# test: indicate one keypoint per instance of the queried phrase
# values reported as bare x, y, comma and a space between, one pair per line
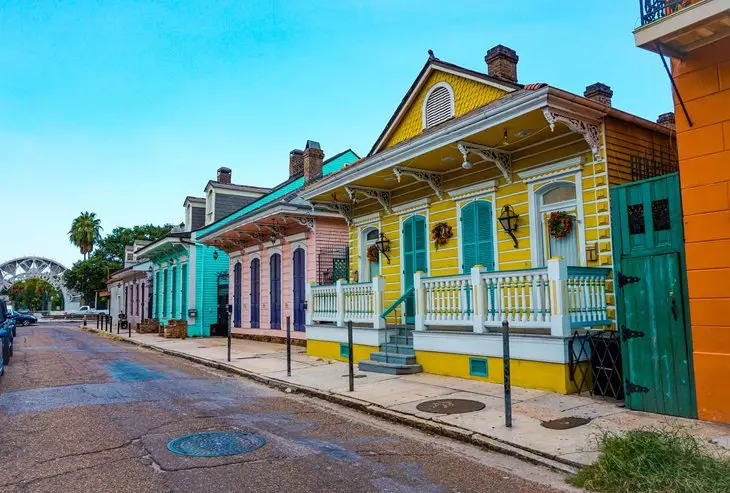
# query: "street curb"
454, 432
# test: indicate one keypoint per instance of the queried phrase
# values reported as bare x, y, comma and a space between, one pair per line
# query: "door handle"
674, 309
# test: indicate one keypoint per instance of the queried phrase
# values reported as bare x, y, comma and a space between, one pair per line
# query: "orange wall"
703, 79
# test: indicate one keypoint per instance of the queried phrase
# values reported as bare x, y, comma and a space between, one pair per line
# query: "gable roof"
281, 192
431, 65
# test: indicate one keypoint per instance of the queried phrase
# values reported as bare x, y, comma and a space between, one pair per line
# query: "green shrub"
655, 461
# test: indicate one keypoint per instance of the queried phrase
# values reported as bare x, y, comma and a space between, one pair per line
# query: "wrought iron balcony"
653, 10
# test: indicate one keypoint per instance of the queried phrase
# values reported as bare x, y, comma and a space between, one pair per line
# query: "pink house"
279, 243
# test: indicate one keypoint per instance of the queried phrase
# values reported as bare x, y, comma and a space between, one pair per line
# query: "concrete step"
404, 340
396, 348
399, 359
388, 368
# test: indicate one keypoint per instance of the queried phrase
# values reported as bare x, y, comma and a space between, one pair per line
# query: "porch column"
378, 302
339, 289
479, 316
310, 303
420, 295
559, 310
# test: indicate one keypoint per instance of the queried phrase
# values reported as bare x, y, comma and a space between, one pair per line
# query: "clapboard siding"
624, 139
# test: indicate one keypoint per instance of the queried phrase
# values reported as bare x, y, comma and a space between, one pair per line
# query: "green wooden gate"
651, 296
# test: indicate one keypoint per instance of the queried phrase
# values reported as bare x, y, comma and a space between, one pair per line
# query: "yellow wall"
468, 94
553, 377
331, 350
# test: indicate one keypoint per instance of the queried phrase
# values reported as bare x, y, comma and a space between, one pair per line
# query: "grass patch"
655, 461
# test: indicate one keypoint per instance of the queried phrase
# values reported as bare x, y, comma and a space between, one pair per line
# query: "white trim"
452, 102
363, 263
253, 249
535, 212
413, 206
274, 249
252, 256
545, 170
369, 218
192, 285
458, 129
475, 190
522, 347
296, 237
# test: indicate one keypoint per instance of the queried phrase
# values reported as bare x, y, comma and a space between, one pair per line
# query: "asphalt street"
79, 412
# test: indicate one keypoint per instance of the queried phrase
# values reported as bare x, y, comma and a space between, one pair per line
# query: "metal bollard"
288, 346
84, 320
119, 323
507, 385
129, 326
350, 357
97, 322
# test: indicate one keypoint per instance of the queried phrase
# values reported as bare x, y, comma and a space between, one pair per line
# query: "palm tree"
85, 232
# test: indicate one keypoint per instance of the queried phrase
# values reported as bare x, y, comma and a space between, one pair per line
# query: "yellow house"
482, 200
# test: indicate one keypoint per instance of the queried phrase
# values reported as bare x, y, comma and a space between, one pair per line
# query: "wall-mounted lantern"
508, 219
383, 245
215, 254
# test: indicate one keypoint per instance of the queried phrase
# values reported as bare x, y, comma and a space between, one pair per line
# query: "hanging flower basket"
559, 224
373, 253
441, 234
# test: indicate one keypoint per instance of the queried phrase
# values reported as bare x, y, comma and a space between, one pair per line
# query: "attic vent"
439, 105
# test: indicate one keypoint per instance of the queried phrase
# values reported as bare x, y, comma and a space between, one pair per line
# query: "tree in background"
88, 275
34, 294
85, 232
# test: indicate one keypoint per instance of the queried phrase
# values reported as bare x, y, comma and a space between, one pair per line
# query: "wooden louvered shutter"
408, 253
484, 227
420, 244
439, 107
468, 237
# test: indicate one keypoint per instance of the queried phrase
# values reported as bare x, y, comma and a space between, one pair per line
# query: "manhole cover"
216, 444
565, 423
450, 406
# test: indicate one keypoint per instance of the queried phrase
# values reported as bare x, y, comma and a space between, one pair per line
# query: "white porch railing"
343, 302
556, 297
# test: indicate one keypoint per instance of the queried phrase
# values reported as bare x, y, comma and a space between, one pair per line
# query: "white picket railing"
448, 300
556, 297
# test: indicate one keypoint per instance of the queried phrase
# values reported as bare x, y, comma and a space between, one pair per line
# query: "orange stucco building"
696, 35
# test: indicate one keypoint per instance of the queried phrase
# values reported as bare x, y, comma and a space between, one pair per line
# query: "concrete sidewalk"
397, 398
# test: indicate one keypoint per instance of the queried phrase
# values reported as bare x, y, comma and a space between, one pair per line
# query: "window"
561, 193
369, 269
438, 105
558, 197
209, 207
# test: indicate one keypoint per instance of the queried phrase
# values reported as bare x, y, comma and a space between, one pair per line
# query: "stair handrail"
397, 302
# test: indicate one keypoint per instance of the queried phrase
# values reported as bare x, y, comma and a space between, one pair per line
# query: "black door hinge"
624, 280
627, 333
632, 388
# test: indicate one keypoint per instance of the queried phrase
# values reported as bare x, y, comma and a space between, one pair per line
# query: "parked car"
24, 319
87, 310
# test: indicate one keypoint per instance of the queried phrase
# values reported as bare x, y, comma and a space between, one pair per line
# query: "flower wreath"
373, 253
441, 234
559, 224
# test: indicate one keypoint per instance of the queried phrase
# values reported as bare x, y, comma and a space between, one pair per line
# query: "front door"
275, 291
415, 249
298, 295
221, 327
651, 296
237, 295
255, 293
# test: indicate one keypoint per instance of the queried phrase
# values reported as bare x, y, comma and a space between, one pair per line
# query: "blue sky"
126, 107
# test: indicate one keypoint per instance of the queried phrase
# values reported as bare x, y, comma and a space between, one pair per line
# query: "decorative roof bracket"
254, 236
306, 221
502, 159
435, 180
345, 209
382, 196
587, 130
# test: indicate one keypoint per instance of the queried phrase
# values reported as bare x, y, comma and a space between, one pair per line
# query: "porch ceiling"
526, 134
261, 231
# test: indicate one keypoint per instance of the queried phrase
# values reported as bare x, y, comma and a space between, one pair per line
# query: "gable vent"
439, 105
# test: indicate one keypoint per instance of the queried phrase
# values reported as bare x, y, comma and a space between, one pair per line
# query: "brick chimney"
313, 158
296, 162
224, 176
667, 120
502, 63
600, 93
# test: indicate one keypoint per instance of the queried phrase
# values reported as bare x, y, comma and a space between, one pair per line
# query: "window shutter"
468, 237
484, 235
420, 242
439, 107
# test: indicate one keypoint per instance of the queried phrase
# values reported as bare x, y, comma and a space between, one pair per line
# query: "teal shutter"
468, 237
420, 243
485, 245
407, 236
184, 304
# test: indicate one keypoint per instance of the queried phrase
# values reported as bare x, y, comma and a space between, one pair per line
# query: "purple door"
299, 280
255, 293
275, 291
237, 295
